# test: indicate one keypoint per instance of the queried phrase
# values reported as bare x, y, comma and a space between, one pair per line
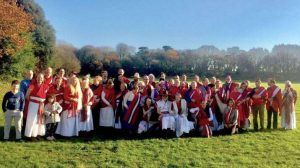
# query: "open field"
278, 148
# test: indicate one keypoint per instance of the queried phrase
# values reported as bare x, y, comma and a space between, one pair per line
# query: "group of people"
47, 105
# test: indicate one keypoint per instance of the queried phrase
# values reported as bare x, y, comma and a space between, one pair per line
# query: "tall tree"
43, 36
14, 26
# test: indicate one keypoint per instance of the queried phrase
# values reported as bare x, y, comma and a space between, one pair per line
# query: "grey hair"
288, 83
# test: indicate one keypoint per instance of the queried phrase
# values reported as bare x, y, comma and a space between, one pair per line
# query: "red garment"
183, 91
58, 92
276, 102
172, 92
185, 85
69, 104
109, 96
131, 115
87, 100
264, 95
196, 95
48, 81
147, 91
38, 91
126, 80
226, 90
204, 123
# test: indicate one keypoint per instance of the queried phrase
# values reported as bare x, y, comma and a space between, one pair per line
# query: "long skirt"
68, 126
88, 124
107, 117
284, 121
33, 128
182, 125
168, 122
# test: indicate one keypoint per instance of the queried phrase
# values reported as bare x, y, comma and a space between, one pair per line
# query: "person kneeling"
205, 120
230, 116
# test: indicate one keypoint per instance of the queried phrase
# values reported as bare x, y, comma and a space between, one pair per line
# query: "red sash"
132, 112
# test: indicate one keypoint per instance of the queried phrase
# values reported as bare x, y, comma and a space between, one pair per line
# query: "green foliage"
43, 36
15, 66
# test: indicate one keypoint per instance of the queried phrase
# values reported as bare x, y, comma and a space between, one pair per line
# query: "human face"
48, 72
61, 72
203, 104
15, 88
58, 81
177, 97
148, 102
122, 87
183, 77
121, 72
196, 78
29, 75
257, 84
205, 82
40, 79
228, 78
194, 85
230, 103
146, 80
50, 100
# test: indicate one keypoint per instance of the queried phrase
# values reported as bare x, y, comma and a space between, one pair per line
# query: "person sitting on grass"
52, 118
12, 106
230, 115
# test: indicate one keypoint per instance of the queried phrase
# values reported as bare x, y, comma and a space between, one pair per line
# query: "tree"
64, 57
14, 26
43, 36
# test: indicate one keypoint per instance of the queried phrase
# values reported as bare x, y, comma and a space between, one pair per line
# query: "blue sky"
181, 24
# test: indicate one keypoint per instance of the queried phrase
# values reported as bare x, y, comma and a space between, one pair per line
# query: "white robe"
68, 126
33, 128
182, 125
88, 124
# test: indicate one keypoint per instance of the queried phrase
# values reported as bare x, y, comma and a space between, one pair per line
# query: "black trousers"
51, 128
275, 118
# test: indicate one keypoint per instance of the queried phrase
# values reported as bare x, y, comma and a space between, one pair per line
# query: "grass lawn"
278, 148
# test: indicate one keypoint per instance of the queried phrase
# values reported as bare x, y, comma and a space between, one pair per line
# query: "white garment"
88, 124
183, 125
144, 126
107, 118
68, 126
52, 117
33, 128
292, 124
168, 122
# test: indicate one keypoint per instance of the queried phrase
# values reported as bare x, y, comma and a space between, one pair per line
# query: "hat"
136, 75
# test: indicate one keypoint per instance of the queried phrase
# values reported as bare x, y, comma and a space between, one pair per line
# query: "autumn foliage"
14, 23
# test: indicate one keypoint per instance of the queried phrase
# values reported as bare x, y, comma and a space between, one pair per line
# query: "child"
52, 110
148, 110
12, 106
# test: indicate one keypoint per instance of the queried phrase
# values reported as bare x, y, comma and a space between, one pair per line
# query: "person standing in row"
273, 103
12, 106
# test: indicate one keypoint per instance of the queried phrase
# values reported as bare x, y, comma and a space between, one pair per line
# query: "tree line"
27, 41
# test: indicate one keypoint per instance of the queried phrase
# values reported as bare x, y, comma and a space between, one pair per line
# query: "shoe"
19, 140
49, 138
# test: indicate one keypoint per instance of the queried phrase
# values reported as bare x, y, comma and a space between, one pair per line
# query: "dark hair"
15, 82
145, 103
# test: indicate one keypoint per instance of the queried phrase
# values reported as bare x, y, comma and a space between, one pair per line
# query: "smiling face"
146, 80
40, 79
194, 85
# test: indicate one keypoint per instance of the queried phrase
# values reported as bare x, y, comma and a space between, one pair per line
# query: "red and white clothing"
85, 116
107, 117
69, 125
58, 92
274, 92
226, 89
167, 119
35, 125
262, 92
182, 125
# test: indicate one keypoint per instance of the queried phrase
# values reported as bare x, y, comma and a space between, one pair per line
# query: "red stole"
109, 96
39, 92
86, 100
132, 113
195, 94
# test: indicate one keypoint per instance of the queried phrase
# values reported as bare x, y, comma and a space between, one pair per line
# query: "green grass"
278, 148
